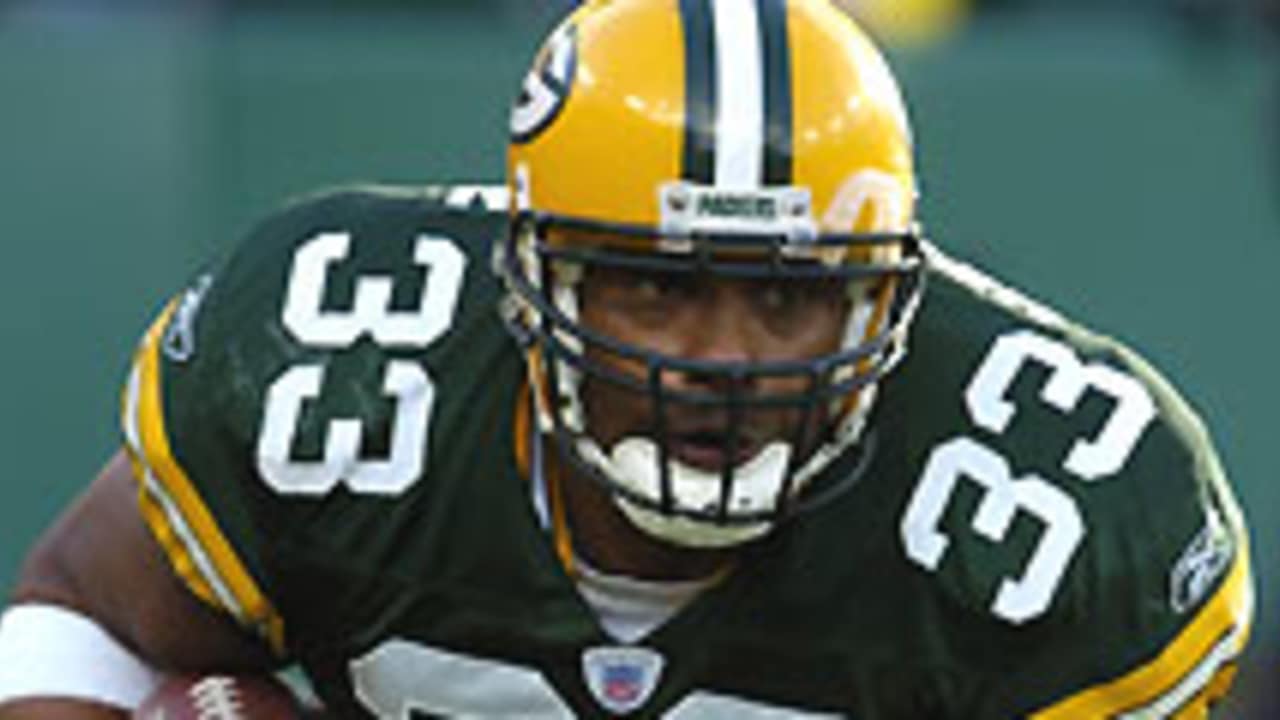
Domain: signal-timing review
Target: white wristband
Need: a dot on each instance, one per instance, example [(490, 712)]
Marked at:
[(50, 651)]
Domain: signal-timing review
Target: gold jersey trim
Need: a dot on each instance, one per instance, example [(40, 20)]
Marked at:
[(178, 517), (1190, 673)]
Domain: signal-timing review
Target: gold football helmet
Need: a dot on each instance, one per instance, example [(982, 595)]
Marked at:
[(747, 138)]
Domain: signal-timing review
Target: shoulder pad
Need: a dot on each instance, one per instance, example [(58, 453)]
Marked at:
[(314, 363), (1062, 487)]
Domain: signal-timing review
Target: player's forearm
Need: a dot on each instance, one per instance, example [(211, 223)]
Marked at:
[(98, 615), (43, 709)]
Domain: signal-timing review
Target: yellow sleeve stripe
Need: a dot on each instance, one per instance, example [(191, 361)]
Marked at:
[(181, 522), (1192, 670), (1189, 697)]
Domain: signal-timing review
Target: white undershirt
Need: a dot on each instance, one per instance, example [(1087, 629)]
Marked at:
[(629, 609)]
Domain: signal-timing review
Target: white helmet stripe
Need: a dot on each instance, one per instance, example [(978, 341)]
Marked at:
[(740, 82)]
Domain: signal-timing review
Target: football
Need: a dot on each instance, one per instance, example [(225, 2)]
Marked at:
[(220, 697)]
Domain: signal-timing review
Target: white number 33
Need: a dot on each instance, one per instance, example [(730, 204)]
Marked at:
[(406, 381), (1029, 595)]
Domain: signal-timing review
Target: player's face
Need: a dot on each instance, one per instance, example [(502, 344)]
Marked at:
[(701, 317)]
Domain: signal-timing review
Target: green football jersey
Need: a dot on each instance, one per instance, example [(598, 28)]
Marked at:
[(325, 431)]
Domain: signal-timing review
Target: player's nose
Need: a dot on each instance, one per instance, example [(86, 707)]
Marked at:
[(721, 331)]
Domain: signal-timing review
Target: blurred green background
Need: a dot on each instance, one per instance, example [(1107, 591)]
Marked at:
[(1118, 159)]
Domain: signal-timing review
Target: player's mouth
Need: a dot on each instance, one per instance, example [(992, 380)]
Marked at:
[(711, 449)]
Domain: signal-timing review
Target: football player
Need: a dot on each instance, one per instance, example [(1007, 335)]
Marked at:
[(688, 420)]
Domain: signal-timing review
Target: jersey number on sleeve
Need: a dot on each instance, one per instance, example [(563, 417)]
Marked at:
[(405, 380), (1004, 496)]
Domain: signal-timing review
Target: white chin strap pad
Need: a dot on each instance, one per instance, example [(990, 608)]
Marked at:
[(634, 463), (48, 651)]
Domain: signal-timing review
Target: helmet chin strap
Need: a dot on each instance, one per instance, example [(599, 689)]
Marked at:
[(634, 463)]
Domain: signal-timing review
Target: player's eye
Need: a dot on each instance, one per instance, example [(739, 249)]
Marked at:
[(778, 296), (654, 285), (788, 295), (646, 286)]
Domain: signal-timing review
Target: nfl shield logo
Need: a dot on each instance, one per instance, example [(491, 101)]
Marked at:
[(622, 678)]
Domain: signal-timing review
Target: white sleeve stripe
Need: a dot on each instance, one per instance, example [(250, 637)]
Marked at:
[(203, 563), (130, 410), (181, 528)]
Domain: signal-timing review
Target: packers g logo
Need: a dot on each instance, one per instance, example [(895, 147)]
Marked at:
[(546, 87)]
